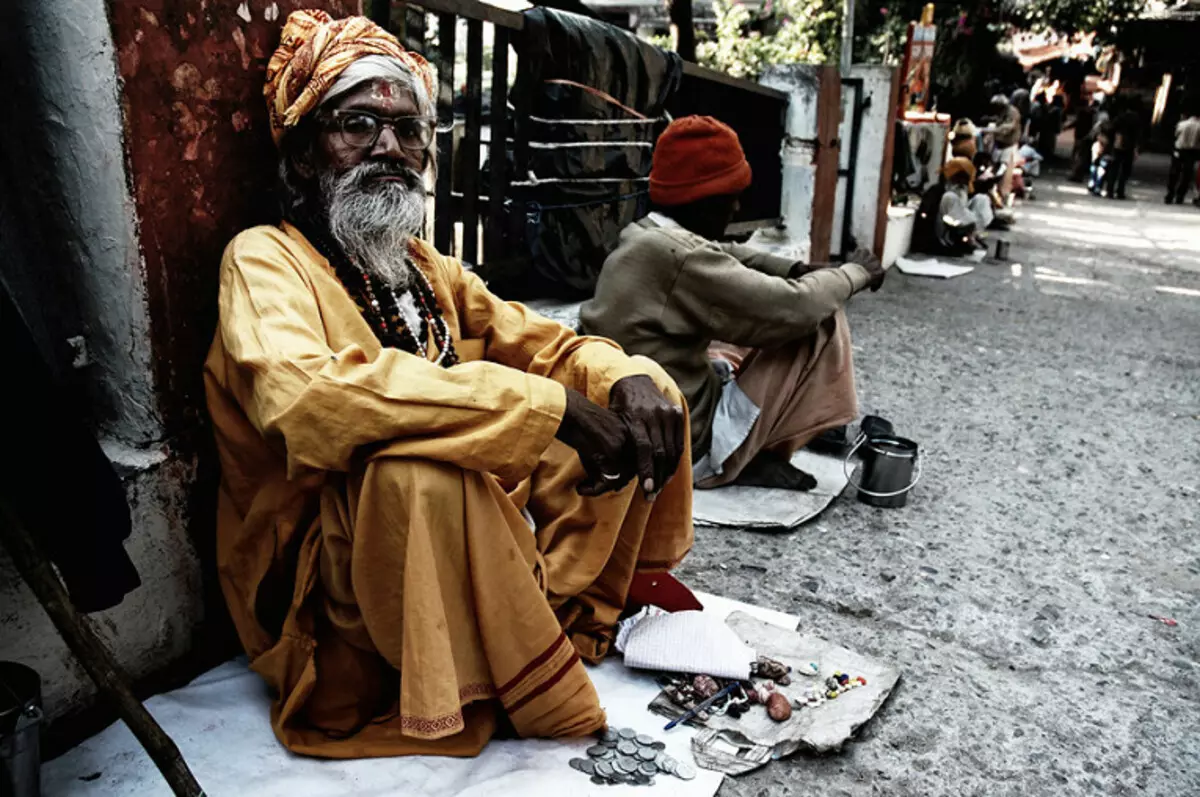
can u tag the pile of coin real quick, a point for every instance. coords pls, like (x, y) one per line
(625, 756)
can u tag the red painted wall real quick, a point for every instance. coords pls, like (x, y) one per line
(200, 160)
(202, 168)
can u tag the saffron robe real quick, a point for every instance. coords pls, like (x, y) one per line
(371, 543)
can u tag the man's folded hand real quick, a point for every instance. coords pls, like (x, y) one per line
(865, 258)
(602, 441)
(655, 426)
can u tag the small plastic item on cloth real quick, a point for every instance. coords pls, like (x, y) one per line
(1168, 621)
(662, 590)
(700, 708)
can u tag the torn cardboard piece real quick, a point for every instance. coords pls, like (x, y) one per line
(770, 509)
(737, 745)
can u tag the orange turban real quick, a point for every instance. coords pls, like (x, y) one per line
(314, 51)
(697, 157)
(957, 166)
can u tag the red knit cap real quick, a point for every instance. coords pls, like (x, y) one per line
(697, 157)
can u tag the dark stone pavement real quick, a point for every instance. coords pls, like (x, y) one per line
(1057, 400)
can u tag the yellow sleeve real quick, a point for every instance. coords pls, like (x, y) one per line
(516, 336)
(325, 405)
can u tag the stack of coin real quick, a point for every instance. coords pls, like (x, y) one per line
(625, 756)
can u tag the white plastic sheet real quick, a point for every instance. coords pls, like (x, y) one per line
(931, 268)
(220, 723)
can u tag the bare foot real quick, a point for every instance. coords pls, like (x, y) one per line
(772, 470)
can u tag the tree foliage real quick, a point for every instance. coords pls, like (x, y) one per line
(967, 58)
(784, 32)
(880, 27)
(808, 31)
(1076, 16)
(968, 63)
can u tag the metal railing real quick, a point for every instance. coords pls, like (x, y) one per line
(754, 111)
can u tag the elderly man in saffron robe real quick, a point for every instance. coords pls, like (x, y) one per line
(385, 428)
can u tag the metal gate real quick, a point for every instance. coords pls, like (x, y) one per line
(849, 132)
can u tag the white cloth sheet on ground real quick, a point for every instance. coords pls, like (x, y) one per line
(220, 722)
(931, 268)
(766, 509)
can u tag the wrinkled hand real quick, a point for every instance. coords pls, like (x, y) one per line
(656, 427)
(872, 264)
(602, 441)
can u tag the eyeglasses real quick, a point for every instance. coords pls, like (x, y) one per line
(361, 129)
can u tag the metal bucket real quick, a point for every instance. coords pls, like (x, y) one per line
(891, 467)
(20, 721)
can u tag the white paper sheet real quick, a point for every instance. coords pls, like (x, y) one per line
(766, 509)
(688, 642)
(220, 723)
(931, 268)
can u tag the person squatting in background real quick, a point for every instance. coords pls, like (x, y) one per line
(1184, 158)
(951, 219)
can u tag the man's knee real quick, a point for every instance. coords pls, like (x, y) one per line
(412, 474)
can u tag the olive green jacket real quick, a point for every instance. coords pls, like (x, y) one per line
(667, 293)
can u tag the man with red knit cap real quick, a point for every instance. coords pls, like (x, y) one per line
(669, 292)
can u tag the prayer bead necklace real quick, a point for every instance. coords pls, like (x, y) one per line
(391, 323)
(385, 317)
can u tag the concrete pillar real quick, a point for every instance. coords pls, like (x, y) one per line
(72, 256)
(799, 148)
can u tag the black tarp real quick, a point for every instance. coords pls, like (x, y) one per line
(581, 158)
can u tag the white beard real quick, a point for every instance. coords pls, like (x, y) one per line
(374, 221)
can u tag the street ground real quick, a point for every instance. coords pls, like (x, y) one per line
(1056, 398)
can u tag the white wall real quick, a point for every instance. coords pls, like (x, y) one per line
(799, 169)
(873, 133)
(74, 183)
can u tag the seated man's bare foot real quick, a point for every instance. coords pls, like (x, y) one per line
(771, 470)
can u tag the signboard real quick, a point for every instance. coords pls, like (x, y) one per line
(918, 67)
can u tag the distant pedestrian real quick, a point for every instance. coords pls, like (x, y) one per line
(1081, 153)
(1184, 159)
(1037, 116)
(1126, 129)
(1052, 121)
(1101, 160)
(1021, 101)
(1006, 131)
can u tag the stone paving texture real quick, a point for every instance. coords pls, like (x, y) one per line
(1057, 400)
